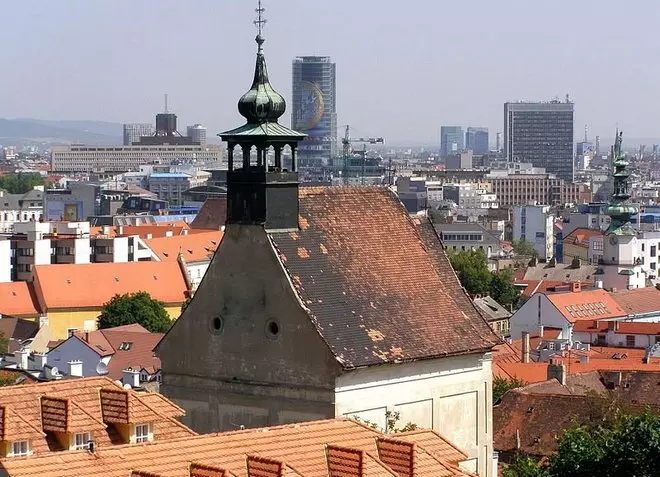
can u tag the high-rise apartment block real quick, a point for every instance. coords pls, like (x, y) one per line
(134, 131)
(314, 109)
(198, 134)
(540, 133)
(476, 139)
(452, 140)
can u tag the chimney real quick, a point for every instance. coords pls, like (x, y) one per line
(131, 377)
(584, 358)
(105, 230)
(557, 371)
(184, 232)
(120, 230)
(576, 263)
(576, 287)
(613, 325)
(149, 236)
(525, 346)
(21, 356)
(75, 368)
(40, 360)
(169, 234)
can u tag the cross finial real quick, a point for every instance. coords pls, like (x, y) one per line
(260, 21)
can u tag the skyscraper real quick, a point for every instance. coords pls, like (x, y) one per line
(452, 140)
(198, 134)
(540, 133)
(477, 140)
(314, 109)
(134, 131)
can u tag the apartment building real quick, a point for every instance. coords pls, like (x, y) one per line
(542, 189)
(77, 158)
(17, 208)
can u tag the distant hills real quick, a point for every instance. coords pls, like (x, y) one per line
(27, 131)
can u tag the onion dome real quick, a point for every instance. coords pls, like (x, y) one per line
(262, 103)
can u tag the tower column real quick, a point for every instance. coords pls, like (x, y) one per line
(246, 156)
(278, 157)
(230, 156)
(294, 157)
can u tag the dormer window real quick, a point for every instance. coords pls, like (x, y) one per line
(81, 440)
(20, 448)
(142, 433)
(125, 346)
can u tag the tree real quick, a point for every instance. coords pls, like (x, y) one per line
(4, 343)
(502, 385)
(471, 266)
(628, 447)
(20, 183)
(502, 289)
(524, 467)
(524, 247)
(135, 308)
(391, 421)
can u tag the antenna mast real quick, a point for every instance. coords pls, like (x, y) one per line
(166, 109)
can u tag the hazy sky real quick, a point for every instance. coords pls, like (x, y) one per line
(403, 67)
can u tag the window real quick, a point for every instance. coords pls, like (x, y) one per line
(81, 440)
(630, 341)
(141, 433)
(125, 346)
(20, 448)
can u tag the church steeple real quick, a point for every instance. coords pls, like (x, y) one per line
(619, 210)
(260, 191)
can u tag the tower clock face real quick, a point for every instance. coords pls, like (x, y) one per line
(312, 106)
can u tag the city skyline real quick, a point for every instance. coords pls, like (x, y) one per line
(106, 62)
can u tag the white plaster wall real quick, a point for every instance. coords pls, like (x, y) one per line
(196, 271)
(527, 317)
(42, 252)
(450, 395)
(82, 250)
(74, 350)
(615, 339)
(5, 261)
(120, 249)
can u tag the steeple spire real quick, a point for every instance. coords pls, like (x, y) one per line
(262, 103)
(619, 210)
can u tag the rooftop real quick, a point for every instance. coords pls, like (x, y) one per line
(357, 263)
(639, 301)
(580, 236)
(92, 285)
(311, 449)
(17, 299)
(560, 272)
(586, 305)
(31, 411)
(195, 247)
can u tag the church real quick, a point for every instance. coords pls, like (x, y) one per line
(324, 302)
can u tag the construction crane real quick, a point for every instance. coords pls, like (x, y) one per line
(348, 151)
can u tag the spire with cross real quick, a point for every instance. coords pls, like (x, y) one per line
(260, 22)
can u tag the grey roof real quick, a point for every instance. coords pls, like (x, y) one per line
(13, 201)
(560, 272)
(493, 310)
(271, 130)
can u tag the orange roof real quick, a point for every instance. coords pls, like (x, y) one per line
(197, 247)
(16, 299)
(586, 305)
(580, 236)
(74, 405)
(638, 301)
(92, 285)
(295, 449)
(620, 327)
(599, 359)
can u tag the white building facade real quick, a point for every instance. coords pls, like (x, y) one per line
(534, 223)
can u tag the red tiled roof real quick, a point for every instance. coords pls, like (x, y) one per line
(195, 247)
(586, 305)
(540, 286)
(75, 406)
(92, 285)
(638, 301)
(17, 299)
(580, 236)
(212, 215)
(358, 263)
(619, 327)
(296, 449)
(599, 359)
